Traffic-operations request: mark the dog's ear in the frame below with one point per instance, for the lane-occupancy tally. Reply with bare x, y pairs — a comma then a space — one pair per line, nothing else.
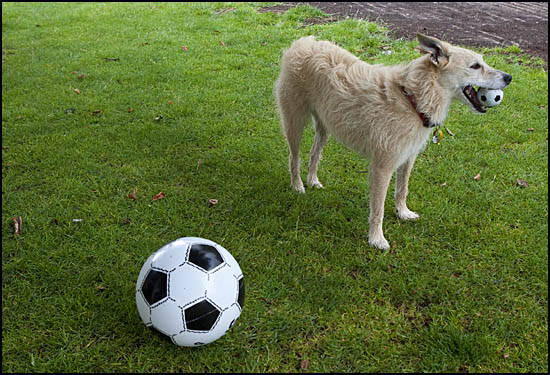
437, 49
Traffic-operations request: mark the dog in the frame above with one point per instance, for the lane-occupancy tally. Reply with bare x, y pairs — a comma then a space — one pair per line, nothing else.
385, 113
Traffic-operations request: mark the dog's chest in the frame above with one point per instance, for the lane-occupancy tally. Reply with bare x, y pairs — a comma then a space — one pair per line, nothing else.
414, 146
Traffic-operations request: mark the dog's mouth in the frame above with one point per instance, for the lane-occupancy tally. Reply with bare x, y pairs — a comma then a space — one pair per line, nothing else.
471, 94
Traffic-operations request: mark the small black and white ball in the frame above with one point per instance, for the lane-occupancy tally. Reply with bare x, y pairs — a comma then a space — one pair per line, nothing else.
489, 98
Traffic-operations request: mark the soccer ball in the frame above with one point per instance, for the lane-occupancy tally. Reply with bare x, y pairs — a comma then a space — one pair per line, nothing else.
191, 290
489, 98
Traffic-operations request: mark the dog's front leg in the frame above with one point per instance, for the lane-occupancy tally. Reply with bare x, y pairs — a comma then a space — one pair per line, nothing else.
402, 189
380, 177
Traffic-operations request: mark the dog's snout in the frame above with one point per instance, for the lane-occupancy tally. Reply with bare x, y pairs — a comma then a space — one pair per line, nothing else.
507, 78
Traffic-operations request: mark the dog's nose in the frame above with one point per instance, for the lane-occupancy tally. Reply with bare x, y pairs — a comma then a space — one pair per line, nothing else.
507, 78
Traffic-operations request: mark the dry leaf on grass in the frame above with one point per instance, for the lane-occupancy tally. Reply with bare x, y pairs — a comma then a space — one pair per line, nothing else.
17, 225
477, 176
159, 196
132, 195
184, 48
212, 202
77, 91
304, 364
522, 183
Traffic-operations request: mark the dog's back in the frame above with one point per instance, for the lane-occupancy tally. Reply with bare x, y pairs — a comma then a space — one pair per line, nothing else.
308, 57
311, 65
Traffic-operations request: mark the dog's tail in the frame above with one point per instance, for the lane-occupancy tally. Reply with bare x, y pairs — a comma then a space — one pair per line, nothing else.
292, 68
298, 51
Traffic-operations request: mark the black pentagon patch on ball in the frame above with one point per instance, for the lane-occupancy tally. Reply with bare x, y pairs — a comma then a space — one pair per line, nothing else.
201, 316
497, 98
205, 256
484, 98
240, 299
155, 286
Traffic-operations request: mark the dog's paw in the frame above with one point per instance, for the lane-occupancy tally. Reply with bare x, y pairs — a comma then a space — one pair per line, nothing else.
407, 214
379, 242
316, 184
300, 189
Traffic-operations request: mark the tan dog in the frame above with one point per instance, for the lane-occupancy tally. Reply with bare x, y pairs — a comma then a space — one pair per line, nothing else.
382, 112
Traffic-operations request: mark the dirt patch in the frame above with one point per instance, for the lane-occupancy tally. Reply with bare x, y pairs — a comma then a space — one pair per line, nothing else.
479, 24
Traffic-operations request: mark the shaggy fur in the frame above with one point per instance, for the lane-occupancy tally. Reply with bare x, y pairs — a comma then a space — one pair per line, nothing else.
365, 107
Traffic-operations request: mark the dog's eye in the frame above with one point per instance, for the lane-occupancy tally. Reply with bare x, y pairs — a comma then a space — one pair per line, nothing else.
475, 66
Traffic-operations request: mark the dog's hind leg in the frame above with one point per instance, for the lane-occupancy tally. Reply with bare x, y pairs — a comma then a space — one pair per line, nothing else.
380, 176
294, 116
402, 189
321, 138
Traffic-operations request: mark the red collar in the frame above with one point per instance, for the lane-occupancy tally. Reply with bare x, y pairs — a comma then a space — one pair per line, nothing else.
425, 119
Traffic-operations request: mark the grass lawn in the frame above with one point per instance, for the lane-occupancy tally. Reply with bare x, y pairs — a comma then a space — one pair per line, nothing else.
102, 98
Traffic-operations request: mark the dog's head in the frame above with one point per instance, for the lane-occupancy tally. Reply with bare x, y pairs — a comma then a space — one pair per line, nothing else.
460, 70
